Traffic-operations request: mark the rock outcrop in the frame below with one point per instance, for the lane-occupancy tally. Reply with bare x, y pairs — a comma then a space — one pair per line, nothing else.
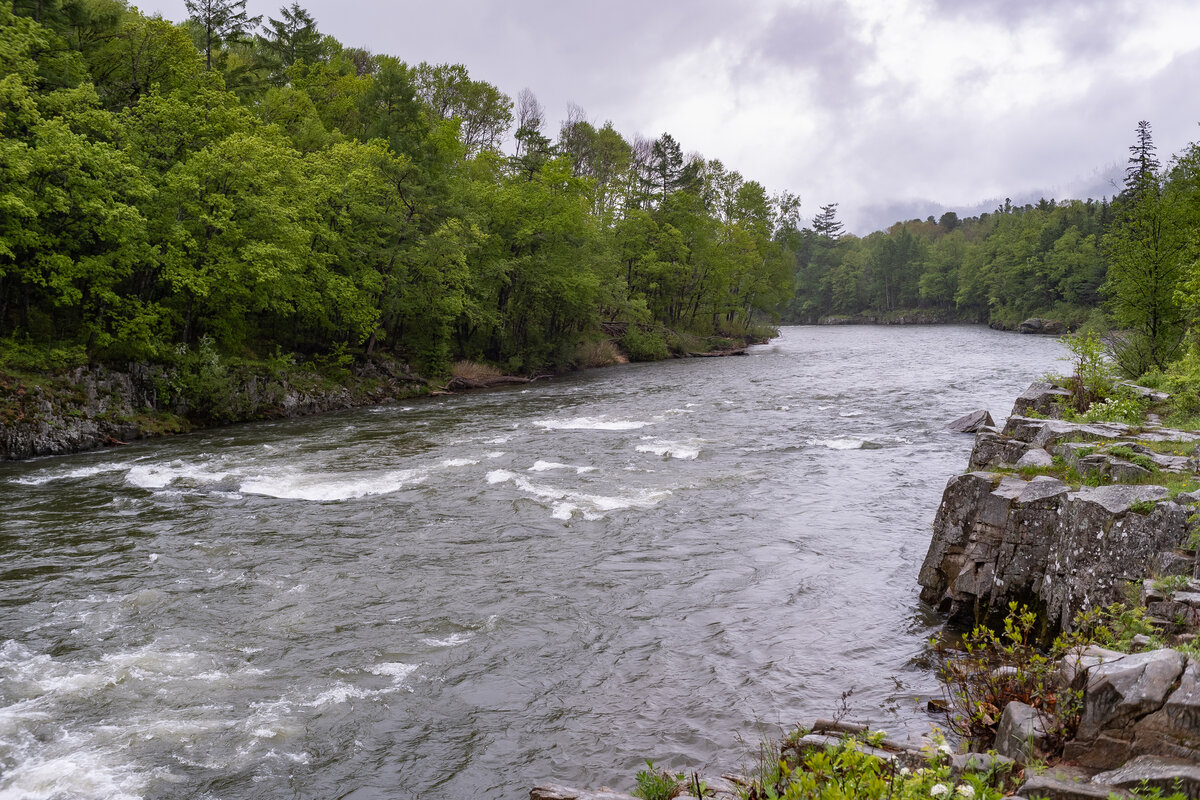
1039, 325
1005, 533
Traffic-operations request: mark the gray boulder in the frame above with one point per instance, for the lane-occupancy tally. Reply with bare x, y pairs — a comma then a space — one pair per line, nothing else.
1035, 457
1047, 787
993, 450
972, 423
1041, 398
1123, 690
1021, 734
1044, 326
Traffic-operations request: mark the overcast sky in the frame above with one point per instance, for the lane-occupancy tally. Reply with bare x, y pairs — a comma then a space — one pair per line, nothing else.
893, 108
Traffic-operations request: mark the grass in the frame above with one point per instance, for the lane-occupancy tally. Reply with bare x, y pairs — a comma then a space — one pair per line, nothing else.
474, 371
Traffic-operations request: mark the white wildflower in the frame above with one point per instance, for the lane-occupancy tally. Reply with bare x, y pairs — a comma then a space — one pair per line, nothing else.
945, 748
938, 789
966, 790
904, 771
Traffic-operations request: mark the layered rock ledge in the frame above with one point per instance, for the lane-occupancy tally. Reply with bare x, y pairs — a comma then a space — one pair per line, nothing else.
1013, 529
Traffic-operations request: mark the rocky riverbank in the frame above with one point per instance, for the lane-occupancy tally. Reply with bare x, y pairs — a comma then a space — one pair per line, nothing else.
98, 406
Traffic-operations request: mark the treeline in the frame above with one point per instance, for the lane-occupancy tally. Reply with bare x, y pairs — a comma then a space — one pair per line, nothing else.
1050, 259
1000, 267
258, 187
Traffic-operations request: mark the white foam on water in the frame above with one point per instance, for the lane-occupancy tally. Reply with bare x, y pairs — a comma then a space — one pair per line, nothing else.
395, 670
80, 775
499, 440
341, 693
663, 447
326, 488
564, 504
459, 462
453, 640
49, 475
590, 424
840, 444
495, 454
851, 413
547, 466
160, 476
500, 476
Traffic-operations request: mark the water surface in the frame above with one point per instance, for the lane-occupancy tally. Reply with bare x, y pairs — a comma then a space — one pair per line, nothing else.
463, 596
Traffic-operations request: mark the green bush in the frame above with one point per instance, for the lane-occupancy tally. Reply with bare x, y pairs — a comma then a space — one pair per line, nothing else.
644, 345
994, 668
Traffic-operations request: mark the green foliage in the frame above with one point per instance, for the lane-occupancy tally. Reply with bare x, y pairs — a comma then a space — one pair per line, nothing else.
1171, 583
656, 784
847, 771
1091, 380
1113, 626
644, 345
992, 668
1127, 453
1127, 409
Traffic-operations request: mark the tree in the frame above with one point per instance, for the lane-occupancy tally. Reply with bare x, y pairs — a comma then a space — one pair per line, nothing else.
1143, 250
290, 39
219, 21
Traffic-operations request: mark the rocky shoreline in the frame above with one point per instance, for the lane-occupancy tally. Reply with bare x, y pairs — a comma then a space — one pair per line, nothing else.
98, 406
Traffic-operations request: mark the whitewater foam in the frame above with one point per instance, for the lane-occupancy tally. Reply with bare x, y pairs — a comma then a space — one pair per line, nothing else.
664, 447
590, 424
329, 488
548, 466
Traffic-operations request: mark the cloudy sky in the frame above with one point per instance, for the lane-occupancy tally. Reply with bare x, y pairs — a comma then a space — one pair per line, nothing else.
893, 108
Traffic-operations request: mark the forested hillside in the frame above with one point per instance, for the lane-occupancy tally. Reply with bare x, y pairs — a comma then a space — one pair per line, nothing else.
253, 187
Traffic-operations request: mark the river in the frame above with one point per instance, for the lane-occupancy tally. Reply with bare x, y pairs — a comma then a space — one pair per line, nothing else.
460, 597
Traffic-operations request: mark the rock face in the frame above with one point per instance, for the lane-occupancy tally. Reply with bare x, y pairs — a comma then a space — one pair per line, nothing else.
1134, 706
999, 537
91, 407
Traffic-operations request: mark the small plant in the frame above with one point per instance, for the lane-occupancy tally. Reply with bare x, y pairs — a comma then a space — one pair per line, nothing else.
1127, 410
657, 784
848, 771
1114, 626
1171, 583
1143, 506
1133, 457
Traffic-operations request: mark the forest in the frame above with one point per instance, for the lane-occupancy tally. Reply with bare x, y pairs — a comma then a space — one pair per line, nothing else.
252, 188
257, 187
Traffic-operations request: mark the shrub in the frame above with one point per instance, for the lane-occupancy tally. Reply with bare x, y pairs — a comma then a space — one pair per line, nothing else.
1092, 379
1128, 410
993, 669
644, 345
846, 771
657, 784
596, 354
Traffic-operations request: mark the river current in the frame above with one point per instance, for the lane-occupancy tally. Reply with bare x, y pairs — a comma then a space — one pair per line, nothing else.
460, 597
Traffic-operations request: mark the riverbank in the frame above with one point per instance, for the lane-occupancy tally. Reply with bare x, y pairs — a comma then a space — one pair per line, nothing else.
86, 408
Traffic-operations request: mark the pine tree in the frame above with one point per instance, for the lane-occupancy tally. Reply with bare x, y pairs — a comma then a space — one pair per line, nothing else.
1143, 250
219, 21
